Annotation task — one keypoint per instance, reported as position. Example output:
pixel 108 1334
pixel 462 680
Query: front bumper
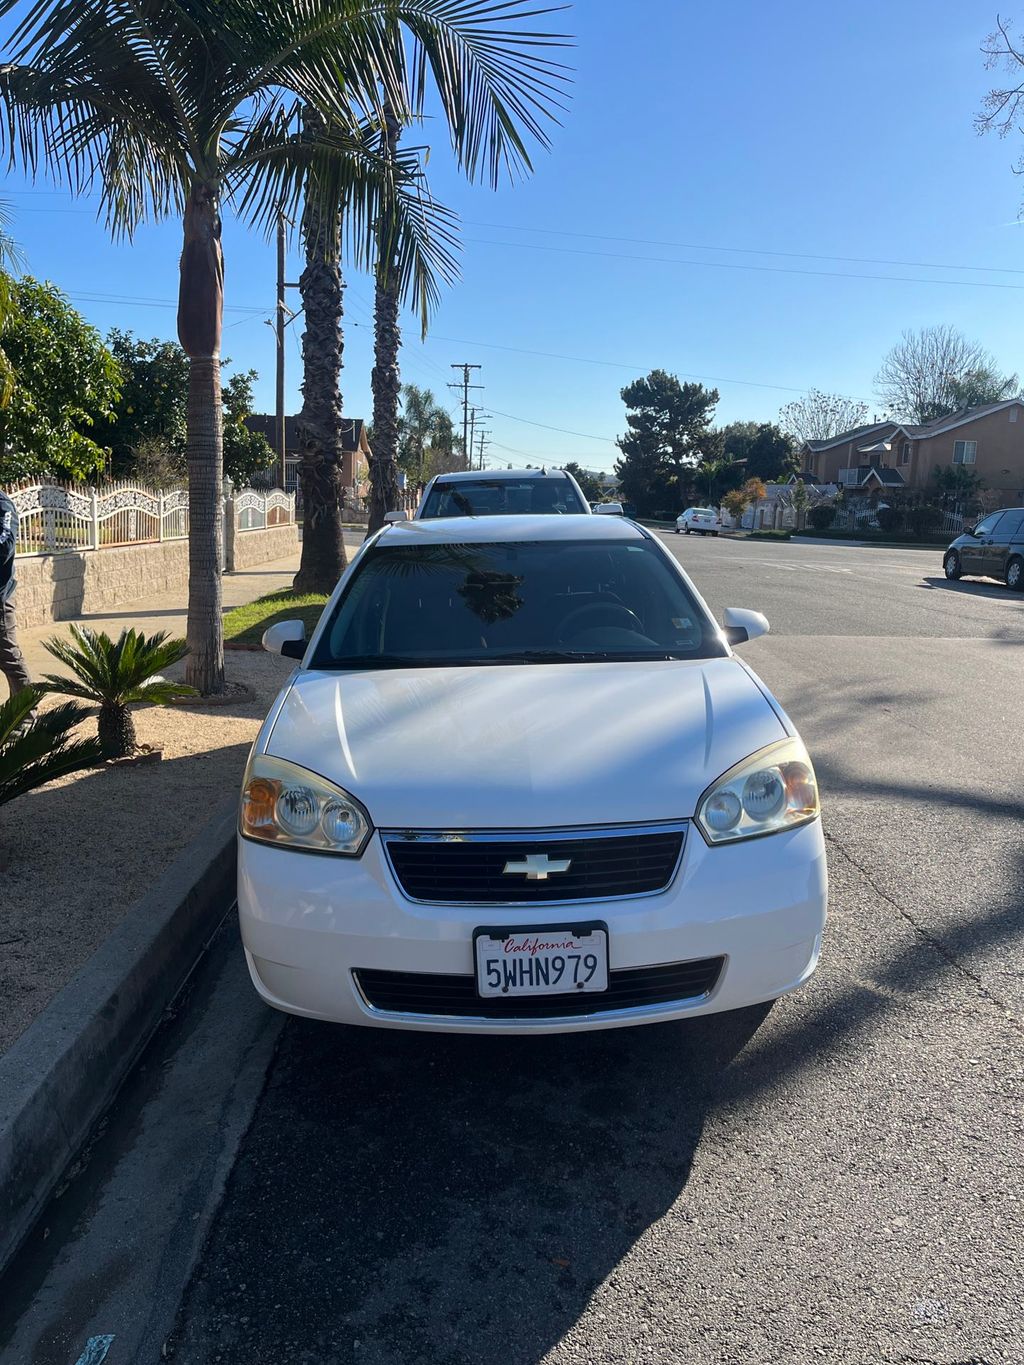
pixel 309 922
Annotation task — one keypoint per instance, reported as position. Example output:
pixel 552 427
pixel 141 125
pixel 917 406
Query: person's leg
pixel 12 661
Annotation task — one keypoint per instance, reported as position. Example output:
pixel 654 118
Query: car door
pixel 997 551
pixel 973 555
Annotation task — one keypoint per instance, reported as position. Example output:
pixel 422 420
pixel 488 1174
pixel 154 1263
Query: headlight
pixel 772 790
pixel 287 805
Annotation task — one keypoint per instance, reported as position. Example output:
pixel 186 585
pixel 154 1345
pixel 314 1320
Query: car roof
pixel 506 529
pixel 493 475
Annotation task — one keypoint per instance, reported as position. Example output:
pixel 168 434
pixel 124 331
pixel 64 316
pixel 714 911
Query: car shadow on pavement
pixel 971 588
pixel 448 1199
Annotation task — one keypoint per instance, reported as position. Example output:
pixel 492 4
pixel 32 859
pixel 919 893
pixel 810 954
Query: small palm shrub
pixel 36 749
pixel 115 673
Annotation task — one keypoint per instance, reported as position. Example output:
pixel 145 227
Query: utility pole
pixel 283 315
pixel 465 386
pixel 483 441
pixel 476 415
pixel 279 328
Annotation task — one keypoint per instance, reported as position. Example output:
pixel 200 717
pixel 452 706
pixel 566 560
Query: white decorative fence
pixel 56 519
pixel 256 509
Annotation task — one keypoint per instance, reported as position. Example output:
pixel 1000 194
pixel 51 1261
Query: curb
pixel 64 1070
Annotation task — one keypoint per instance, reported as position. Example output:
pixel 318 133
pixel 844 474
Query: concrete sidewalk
pixel 163 611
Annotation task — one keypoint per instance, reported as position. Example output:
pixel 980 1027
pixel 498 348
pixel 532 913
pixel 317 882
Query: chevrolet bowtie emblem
pixel 538 866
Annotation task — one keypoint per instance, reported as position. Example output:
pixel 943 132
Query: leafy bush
pixel 888 518
pixel 821 517
pixel 924 520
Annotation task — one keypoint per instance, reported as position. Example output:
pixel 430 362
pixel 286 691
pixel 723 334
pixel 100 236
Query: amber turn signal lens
pixel 258 805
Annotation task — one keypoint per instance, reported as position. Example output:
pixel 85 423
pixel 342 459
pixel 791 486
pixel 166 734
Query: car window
pixel 986 527
pixel 1012 525
pixel 499 497
pixel 549 602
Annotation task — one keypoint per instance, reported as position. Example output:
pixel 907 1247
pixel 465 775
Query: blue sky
pixel 700 139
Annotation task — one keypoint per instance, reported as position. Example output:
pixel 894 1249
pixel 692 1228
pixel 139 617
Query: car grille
pixel 456 997
pixel 470 869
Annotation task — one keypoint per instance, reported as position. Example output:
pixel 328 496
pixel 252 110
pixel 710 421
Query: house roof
pixel 851 435
pixel 266 424
pixel 888 478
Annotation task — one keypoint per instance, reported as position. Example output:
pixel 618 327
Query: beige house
pixel 987 440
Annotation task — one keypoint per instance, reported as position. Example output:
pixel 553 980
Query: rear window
pixel 544 602
pixel 501 497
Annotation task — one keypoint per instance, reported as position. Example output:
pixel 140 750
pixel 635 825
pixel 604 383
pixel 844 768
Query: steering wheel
pixel 596 614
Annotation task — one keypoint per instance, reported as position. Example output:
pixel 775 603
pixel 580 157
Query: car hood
pixel 525 746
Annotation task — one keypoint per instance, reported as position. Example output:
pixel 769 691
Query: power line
pixel 750 251
pixel 636 368
pixel 564 430
pixel 758 269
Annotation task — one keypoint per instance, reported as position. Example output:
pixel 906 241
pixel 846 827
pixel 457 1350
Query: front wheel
pixel 677 530
pixel 951 566
pixel 1015 573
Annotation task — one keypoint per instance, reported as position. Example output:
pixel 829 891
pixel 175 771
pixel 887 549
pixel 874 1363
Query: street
pixel 835 1179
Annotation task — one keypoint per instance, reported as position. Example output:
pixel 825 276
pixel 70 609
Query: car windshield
pixel 545 602
pixel 485 497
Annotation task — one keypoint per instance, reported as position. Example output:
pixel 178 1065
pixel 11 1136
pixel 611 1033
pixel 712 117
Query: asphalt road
pixel 837 1179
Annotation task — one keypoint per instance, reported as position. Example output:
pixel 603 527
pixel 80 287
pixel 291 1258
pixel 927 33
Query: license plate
pixel 566 960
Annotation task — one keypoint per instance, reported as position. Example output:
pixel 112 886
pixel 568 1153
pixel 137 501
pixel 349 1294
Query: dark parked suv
pixel 994 549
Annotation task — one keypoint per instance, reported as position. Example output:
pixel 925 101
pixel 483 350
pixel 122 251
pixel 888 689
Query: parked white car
pixel 500 492
pixel 702 519
pixel 431 839
pixel 610 509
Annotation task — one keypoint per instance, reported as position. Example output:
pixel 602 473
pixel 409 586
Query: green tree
pixel 146 432
pixel 170 107
pixel 427 444
pixel 65 382
pixel 590 484
pixel 769 453
pixel 669 434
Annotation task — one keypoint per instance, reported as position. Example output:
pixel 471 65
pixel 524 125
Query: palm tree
pixel 416 220
pixel 171 108
pixel 36 749
pixel 114 674
pixel 385 381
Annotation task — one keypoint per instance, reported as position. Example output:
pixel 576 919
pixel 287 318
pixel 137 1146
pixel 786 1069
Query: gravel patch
pixel 82 850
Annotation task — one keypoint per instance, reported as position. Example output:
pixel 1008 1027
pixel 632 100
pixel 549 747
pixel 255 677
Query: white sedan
pixel 702 519
pixel 431 839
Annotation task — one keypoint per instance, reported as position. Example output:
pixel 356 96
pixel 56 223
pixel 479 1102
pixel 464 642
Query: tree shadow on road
pixel 449 1199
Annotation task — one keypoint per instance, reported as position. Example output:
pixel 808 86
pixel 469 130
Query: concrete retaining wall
pixel 61 586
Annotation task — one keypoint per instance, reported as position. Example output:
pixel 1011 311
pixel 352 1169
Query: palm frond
pixel 111 671
pixel 345 166
pixel 43 749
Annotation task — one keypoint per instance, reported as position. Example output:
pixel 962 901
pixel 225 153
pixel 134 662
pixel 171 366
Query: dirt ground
pixel 81 851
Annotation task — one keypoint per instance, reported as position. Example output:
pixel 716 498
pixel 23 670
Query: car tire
pixel 715 534
pixel 677 530
pixel 1015 574
pixel 951 566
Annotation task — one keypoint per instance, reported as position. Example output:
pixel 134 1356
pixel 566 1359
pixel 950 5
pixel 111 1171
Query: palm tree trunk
pixel 200 314
pixel 323 546
pixel 117 731
pixel 385 379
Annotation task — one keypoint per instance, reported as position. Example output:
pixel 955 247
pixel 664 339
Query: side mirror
pixel 391 517
pixel 287 638
pixel 742 625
